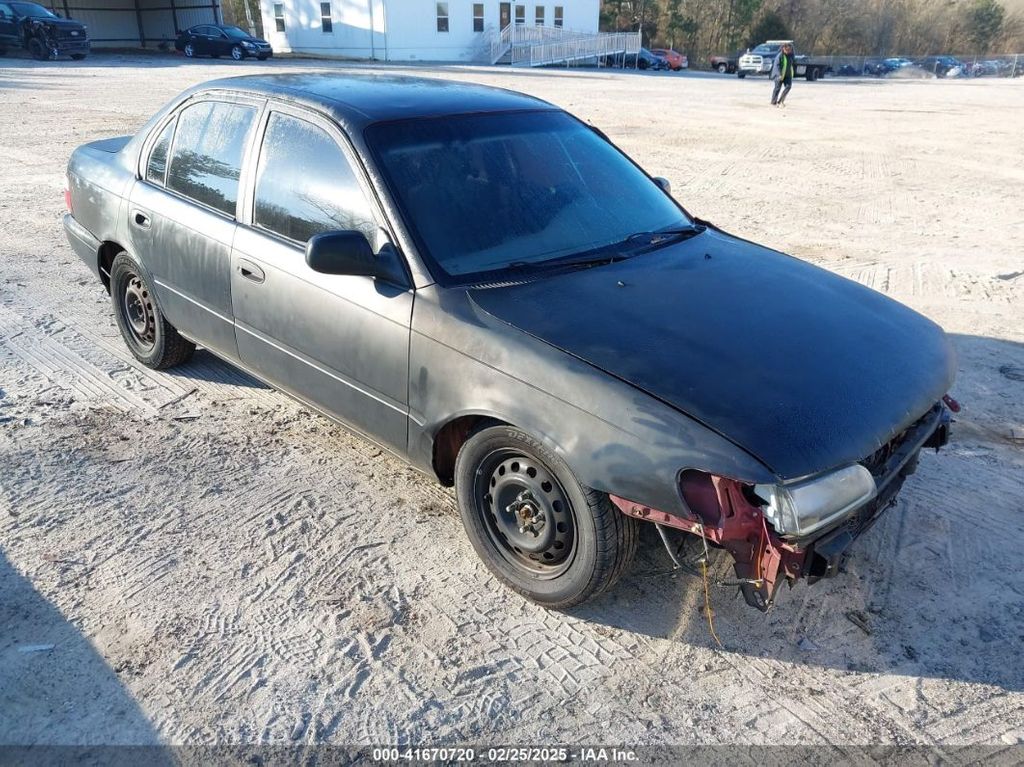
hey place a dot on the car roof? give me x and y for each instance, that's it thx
(361, 99)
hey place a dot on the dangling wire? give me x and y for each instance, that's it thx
(707, 591)
(707, 606)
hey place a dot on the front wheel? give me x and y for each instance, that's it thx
(722, 68)
(536, 528)
(741, 75)
(237, 53)
(152, 339)
(37, 50)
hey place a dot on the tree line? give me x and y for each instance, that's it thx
(701, 28)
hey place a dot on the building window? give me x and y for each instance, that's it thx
(539, 16)
(325, 17)
(442, 17)
(558, 15)
(478, 17)
(520, 14)
(279, 16)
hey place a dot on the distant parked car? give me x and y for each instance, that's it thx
(675, 60)
(644, 60)
(41, 32)
(222, 40)
(940, 66)
(725, 65)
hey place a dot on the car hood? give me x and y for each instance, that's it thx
(802, 368)
(56, 23)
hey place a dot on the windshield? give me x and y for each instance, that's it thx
(485, 193)
(767, 48)
(33, 10)
(235, 32)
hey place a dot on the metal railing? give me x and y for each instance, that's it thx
(579, 49)
(539, 45)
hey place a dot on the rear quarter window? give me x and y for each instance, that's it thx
(206, 158)
(156, 168)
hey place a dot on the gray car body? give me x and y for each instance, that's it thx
(411, 366)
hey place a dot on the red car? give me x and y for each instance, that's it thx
(676, 60)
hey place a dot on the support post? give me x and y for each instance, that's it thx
(174, 18)
(138, 20)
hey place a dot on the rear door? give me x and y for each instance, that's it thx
(183, 221)
(339, 342)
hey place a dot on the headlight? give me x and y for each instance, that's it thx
(248, 44)
(803, 507)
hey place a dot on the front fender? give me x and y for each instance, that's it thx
(614, 437)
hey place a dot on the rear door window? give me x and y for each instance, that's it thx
(305, 184)
(206, 158)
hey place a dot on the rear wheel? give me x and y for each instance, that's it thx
(152, 339)
(189, 50)
(722, 68)
(536, 528)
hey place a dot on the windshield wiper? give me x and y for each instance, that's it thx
(610, 254)
(669, 234)
(575, 260)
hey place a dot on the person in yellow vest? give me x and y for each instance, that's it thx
(782, 74)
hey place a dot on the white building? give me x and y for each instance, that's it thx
(411, 30)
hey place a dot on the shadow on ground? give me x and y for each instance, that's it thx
(55, 687)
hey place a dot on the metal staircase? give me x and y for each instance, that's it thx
(536, 46)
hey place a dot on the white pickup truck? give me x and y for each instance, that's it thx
(759, 62)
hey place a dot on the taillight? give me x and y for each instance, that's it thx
(67, 194)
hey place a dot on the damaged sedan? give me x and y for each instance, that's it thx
(489, 288)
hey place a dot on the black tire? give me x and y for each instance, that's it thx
(262, 58)
(581, 544)
(77, 56)
(237, 53)
(741, 75)
(643, 64)
(189, 50)
(722, 68)
(37, 50)
(151, 338)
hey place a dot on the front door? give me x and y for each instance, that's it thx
(339, 342)
(182, 217)
(505, 14)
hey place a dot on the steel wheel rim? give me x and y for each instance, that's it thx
(139, 316)
(526, 514)
(188, 51)
(236, 53)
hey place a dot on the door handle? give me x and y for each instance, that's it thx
(140, 219)
(250, 271)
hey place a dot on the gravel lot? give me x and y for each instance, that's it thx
(189, 557)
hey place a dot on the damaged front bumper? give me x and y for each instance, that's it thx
(725, 513)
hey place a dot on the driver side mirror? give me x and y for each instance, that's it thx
(664, 183)
(346, 252)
